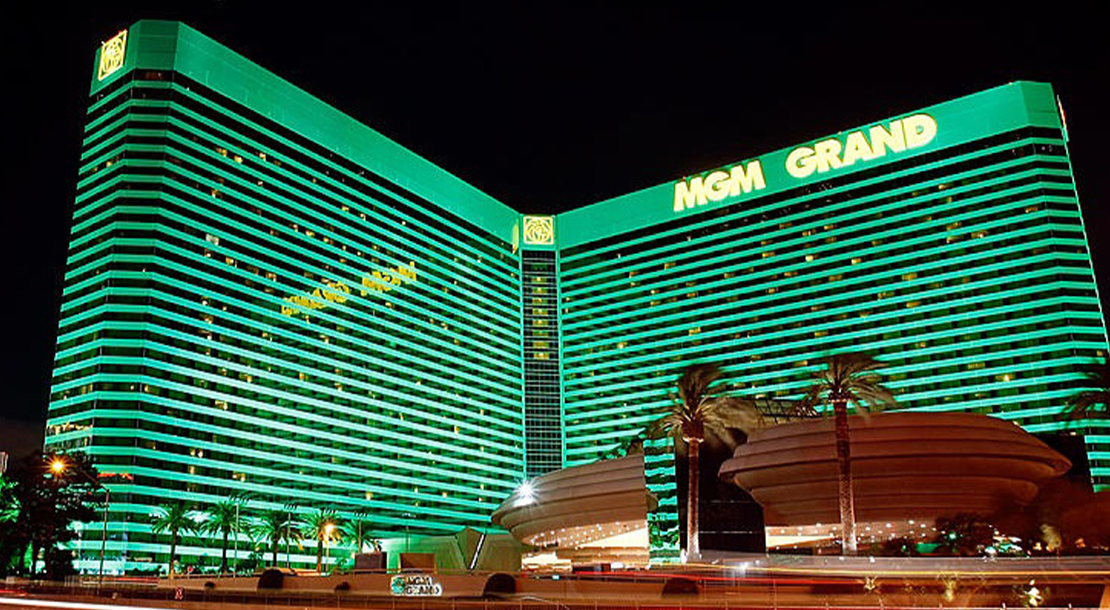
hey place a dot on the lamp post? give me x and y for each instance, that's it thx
(407, 517)
(58, 466)
(289, 508)
(237, 530)
(240, 498)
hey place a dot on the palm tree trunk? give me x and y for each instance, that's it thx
(173, 550)
(223, 554)
(844, 478)
(276, 542)
(693, 549)
(319, 554)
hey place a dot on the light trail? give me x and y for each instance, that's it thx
(816, 572)
(49, 603)
(889, 572)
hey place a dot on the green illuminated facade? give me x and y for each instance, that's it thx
(264, 296)
(961, 262)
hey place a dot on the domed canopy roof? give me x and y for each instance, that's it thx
(905, 466)
(581, 505)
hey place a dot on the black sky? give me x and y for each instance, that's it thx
(544, 108)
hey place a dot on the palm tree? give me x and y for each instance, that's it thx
(847, 379)
(274, 526)
(700, 405)
(177, 519)
(322, 526)
(223, 519)
(1087, 403)
(357, 527)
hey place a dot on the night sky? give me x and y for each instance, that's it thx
(545, 110)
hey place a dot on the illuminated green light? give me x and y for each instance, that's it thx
(263, 295)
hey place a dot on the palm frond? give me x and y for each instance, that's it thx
(1095, 400)
(670, 424)
(316, 525)
(701, 402)
(851, 377)
(221, 518)
(732, 412)
(174, 518)
(696, 383)
(275, 525)
(805, 407)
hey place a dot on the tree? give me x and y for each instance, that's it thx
(847, 380)
(250, 564)
(1088, 403)
(40, 504)
(11, 539)
(223, 519)
(1065, 515)
(322, 526)
(963, 535)
(274, 526)
(701, 404)
(357, 528)
(71, 496)
(176, 519)
(903, 546)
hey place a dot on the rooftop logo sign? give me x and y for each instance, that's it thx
(539, 230)
(111, 55)
(804, 161)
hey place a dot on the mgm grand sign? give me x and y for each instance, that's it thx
(825, 156)
(415, 585)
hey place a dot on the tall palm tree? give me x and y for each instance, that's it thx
(274, 526)
(1088, 403)
(176, 519)
(701, 404)
(322, 526)
(223, 519)
(847, 380)
(357, 528)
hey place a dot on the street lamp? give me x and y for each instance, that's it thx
(240, 498)
(289, 508)
(238, 531)
(360, 516)
(407, 517)
(58, 466)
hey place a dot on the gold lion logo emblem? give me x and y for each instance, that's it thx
(111, 55)
(539, 230)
